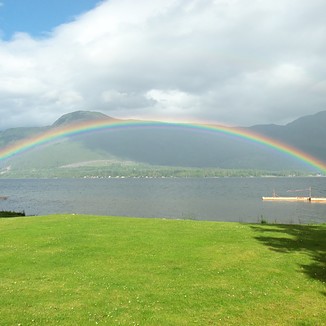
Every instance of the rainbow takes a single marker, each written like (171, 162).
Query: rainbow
(97, 125)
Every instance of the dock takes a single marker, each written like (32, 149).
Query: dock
(307, 199)
(300, 199)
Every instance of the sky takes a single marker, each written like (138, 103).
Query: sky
(234, 62)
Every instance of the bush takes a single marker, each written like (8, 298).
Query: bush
(11, 214)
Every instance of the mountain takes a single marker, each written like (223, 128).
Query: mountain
(307, 133)
(184, 147)
(78, 117)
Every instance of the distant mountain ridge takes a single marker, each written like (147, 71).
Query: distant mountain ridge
(306, 133)
(169, 147)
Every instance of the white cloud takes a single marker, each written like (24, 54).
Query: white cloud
(173, 103)
(235, 61)
(113, 96)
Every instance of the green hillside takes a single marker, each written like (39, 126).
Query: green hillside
(56, 155)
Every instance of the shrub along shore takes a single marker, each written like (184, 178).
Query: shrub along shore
(88, 270)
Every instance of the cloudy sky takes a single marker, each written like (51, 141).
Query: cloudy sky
(238, 62)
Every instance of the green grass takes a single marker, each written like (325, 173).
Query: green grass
(87, 270)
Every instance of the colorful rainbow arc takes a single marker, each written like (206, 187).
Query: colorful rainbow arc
(75, 129)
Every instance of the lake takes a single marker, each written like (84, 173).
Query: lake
(212, 199)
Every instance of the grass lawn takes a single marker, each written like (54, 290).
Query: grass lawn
(88, 270)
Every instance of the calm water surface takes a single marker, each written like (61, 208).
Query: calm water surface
(215, 199)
